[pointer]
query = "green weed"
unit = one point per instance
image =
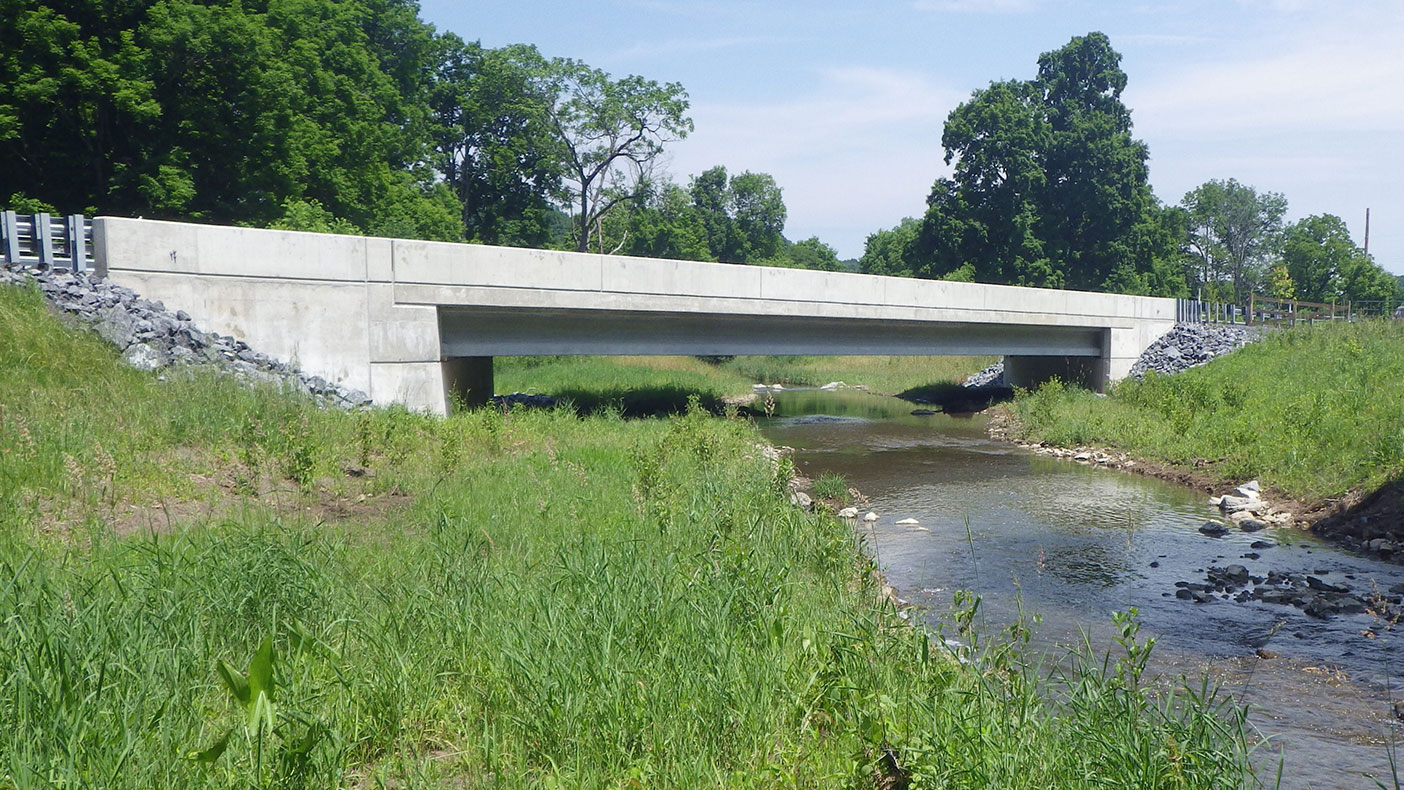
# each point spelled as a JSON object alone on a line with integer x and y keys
{"x": 1315, "y": 411}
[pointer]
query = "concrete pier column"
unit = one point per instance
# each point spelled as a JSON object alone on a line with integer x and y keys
{"x": 467, "y": 380}
{"x": 1029, "y": 372}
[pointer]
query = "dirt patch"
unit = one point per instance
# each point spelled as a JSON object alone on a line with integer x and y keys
{"x": 223, "y": 493}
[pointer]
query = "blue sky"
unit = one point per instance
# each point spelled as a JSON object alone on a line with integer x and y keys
{"x": 843, "y": 102}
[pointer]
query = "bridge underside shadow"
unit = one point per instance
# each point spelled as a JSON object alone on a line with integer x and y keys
{"x": 471, "y": 336}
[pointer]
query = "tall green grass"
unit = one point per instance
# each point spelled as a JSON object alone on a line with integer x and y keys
{"x": 1314, "y": 410}
{"x": 888, "y": 375}
{"x": 555, "y": 602}
{"x": 593, "y": 382}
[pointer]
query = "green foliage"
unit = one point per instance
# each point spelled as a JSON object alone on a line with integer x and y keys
{"x": 663, "y": 223}
{"x": 607, "y": 133}
{"x": 310, "y": 216}
{"x": 1050, "y": 189}
{"x": 1233, "y": 234}
{"x": 833, "y": 487}
{"x": 811, "y": 253}
{"x": 492, "y": 140}
{"x": 221, "y": 112}
{"x": 22, "y": 204}
{"x": 1323, "y": 259}
{"x": 891, "y": 252}
{"x": 1281, "y": 285}
{"x": 742, "y": 216}
{"x": 1245, "y": 416}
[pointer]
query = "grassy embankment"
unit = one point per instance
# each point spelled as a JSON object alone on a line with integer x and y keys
{"x": 532, "y": 599}
{"x": 661, "y": 384}
{"x": 1313, "y": 411}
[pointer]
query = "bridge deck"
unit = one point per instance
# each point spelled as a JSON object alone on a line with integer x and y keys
{"x": 391, "y": 316}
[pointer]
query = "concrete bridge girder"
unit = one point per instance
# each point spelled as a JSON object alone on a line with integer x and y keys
{"x": 411, "y": 321}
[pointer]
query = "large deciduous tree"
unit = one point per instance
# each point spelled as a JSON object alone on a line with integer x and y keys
{"x": 744, "y": 215}
{"x": 1233, "y": 230}
{"x": 1050, "y": 188}
{"x": 1327, "y": 266}
{"x": 610, "y": 133}
{"x": 492, "y": 140}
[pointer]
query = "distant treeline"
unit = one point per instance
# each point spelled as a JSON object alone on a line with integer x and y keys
{"x": 357, "y": 116}
{"x": 1050, "y": 189}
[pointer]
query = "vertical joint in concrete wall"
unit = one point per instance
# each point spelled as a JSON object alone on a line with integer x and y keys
{"x": 1029, "y": 372}
{"x": 467, "y": 381}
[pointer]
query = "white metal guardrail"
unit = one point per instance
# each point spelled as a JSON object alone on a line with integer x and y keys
{"x": 52, "y": 241}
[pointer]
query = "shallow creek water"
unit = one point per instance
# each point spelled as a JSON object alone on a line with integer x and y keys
{"x": 1075, "y": 543}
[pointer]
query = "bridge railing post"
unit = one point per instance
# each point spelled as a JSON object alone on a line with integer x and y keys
{"x": 44, "y": 239}
{"x": 76, "y": 242}
{"x": 9, "y": 236}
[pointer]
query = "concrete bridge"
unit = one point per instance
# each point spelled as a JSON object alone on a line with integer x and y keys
{"x": 413, "y": 322}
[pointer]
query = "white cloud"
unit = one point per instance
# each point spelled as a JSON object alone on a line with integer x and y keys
{"x": 975, "y": 6}
{"x": 1328, "y": 73}
{"x": 856, "y": 153}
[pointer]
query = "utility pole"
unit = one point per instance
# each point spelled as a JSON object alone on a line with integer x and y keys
{"x": 1367, "y": 232}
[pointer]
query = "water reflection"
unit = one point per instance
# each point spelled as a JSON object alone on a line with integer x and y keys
{"x": 1075, "y": 543}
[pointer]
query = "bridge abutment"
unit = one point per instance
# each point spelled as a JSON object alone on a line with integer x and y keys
{"x": 1029, "y": 372}
{"x": 467, "y": 381}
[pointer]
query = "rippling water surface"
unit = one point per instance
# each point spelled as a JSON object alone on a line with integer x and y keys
{"x": 1075, "y": 543}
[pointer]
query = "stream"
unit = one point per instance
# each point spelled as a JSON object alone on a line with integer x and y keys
{"x": 1073, "y": 543}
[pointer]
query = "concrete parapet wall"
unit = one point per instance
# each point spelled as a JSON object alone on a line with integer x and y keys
{"x": 384, "y": 315}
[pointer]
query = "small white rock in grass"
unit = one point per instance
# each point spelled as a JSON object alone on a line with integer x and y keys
{"x": 909, "y": 522}
{"x": 848, "y": 512}
{"x": 870, "y": 516}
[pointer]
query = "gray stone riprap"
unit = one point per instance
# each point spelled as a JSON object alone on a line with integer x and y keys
{"x": 527, "y": 400}
{"x": 992, "y": 376}
{"x": 1191, "y": 345}
{"x": 1315, "y": 596}
{"x": 152, "y": 337}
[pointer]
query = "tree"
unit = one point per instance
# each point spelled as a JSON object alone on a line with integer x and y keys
{"x": 609, "y": 133}
{"x": 492, "y": 142}
{"x": 743, "y": 215}
{"x": 810, "y": 253}
{"x": 758, "y": 210}
{"x": 1233, "y": 232}
{"x": 663, "y": 224}
{"x": 1050, "y": 189}
{"x": 1328, "y": 267}
{"x": 222, "y": 111}
{"x": 891, "y": 251}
